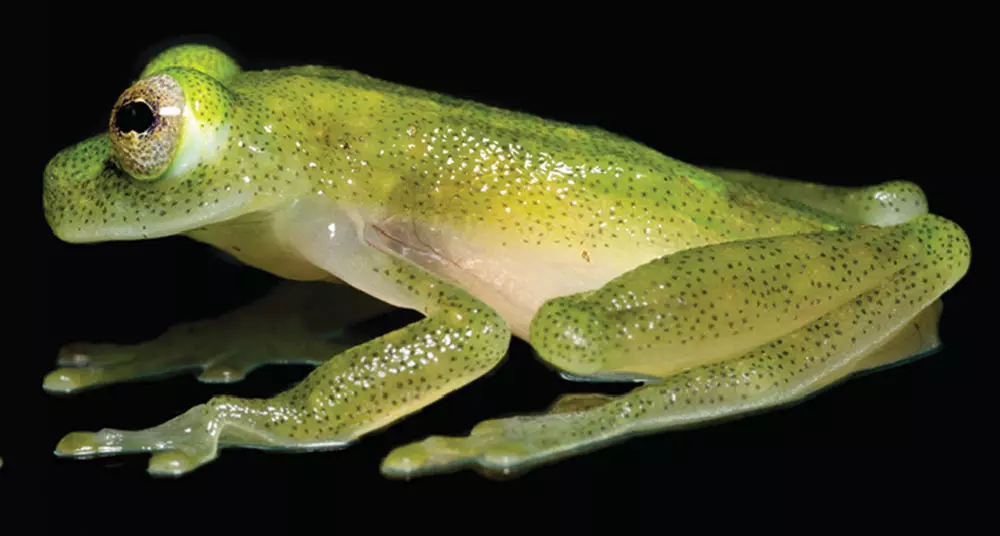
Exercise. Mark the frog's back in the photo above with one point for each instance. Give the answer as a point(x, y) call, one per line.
point(517, 208)
point(456, 144)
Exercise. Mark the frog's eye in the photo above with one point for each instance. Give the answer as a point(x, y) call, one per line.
point(146, 125)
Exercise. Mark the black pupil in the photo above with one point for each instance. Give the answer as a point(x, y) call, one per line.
point(134, 117)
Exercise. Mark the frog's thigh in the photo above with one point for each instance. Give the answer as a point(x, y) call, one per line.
point(826, 349)
point(296, 323)
point(718, 302)
point(359, 390)
point(915, 340)
point(889, 203)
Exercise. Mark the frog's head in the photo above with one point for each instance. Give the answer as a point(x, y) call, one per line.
point(163, 167)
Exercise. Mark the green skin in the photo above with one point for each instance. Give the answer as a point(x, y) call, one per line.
point(719, 292)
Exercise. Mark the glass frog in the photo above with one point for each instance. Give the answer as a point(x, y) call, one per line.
point(717, 292)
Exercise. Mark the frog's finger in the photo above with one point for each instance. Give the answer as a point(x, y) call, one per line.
point(294, 324)
point(151, 364)
point(153, 360)
point(178, 446)
point(83, 365)
point(73, 379)
point(222, 373)
point(82, 354)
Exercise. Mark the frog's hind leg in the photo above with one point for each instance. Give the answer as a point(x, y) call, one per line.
point(709, 304)
point(297, 323)
point(872, 326)
point(889, 203)
point(915, 340)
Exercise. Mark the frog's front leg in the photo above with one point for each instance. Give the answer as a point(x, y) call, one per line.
point(296, 323)
point(359, 390)
point(847, 318)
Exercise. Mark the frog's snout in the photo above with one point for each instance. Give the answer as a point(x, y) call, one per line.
point(70, 194)
point(88, 198)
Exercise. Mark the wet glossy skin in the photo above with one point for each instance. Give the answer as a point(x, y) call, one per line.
point(726, 291)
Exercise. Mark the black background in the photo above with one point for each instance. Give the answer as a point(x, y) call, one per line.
point(844, 107)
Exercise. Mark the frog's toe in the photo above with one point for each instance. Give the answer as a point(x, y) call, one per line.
point(497, 447)
point(432, 455)
point(504, 456)
point(223, 374)
point(173, 463)
point(437, 455)
point(68, 380)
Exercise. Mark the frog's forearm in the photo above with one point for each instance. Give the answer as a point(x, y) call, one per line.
point(359, 390)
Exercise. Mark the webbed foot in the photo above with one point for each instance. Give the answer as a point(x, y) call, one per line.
point(504, 447)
